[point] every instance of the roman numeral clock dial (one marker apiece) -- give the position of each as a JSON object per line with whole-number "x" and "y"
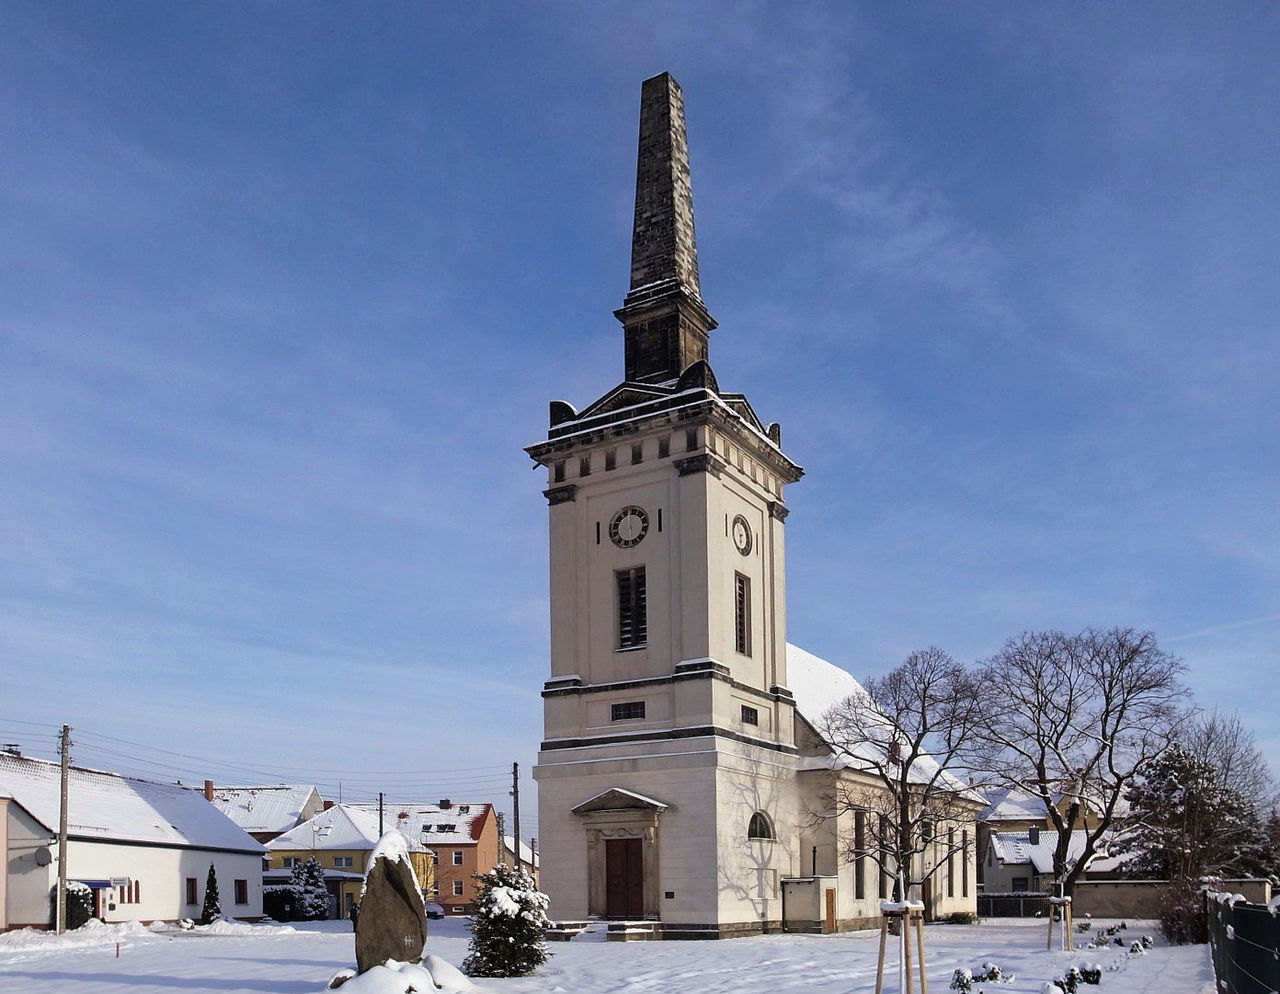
{"x": 628, "y": 527}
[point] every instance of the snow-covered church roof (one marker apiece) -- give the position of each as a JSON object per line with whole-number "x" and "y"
{"x": 112, "y": 808}
{"x": 818, "y": 686}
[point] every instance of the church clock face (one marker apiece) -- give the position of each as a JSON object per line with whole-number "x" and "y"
{"x": 628, "y": 527}
{"x": 741, "y": 534}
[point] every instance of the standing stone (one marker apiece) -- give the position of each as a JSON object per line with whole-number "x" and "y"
{"x": 392, "y": 923}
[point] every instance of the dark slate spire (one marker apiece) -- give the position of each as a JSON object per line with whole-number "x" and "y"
{"x": 665, "y": 324}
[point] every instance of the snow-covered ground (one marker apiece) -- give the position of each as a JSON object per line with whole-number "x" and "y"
{"x": 300, "y": 959}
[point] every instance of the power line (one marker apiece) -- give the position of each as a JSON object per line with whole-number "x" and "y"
{"x": 100, "y": 749}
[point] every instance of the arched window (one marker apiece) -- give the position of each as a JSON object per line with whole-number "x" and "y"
{"x": 759, "y": 827}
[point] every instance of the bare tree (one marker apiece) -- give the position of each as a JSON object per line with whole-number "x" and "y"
{"x": 1078, "y": 717}
{"x": 905, "y": 733}
{"x": 1226, "y": 745}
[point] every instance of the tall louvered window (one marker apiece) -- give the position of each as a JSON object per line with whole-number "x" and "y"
{"x": 860, "y": 854}
{"x": 742, "y": 614}
{"x": 633, "y": 621}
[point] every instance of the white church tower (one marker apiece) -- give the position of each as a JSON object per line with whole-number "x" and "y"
{"x": 667, "y": 780}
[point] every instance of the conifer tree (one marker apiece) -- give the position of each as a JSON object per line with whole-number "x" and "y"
{"x": 310, "y": 890}
{"x": 507, "y": 930}
{"x": 1186, "y": 823}
{"x": 212, "y": 909}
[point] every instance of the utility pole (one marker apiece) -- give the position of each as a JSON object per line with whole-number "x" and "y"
{"x": 515, "y": 806}
{"x": 62, "y": 832}
{"x": 381, "y": 831}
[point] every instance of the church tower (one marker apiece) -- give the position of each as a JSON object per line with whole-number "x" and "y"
{"x": 668, "y": 761}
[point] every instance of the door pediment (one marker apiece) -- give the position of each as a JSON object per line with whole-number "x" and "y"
{"x": 619, "y": 799}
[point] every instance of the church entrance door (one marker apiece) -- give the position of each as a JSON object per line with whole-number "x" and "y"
{"x": 624, "y": 878}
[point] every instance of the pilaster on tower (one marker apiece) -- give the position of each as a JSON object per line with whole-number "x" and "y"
{"x": 665, "y": 324}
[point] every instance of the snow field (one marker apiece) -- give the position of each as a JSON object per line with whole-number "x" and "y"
{"x": 300, "y": 959}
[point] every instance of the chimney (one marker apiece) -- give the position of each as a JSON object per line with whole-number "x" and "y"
{"x": 445, "y": 804}
{"x": 327, "y": 805}
{"x": 208, "y": 790}
{"x": 1033, "y": 835}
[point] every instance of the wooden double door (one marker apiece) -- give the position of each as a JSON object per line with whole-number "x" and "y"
{"x": 624, "y": 878}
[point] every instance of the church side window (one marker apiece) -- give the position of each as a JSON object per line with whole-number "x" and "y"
{"x": 951, "y": 862}
{"x": 633, "y": 621}
{"x": 742, "y": 614}
{"x": 759, "y": 827}
{"x": 860, "y": 854}
{"x": 883, "y": 889}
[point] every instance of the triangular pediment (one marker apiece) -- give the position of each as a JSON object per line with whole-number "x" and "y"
{"x": 626, "y": 395}
{"x": 739, "y": 405}
{"x": 618, "y": 799}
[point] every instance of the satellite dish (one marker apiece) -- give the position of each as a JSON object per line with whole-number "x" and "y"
{"x": 43, "y": 856}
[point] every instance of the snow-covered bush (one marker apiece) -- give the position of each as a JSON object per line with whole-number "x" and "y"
{"x": 1091, "y": 973}
{"x": 211, "y": 911}
{"x": 508, "y": 928}
{"x": 989, "y": 973}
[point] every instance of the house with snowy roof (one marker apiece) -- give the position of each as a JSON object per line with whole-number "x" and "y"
{"x": 341, "y": 838}
{"x": 268, "y": 811}
{"x": 1013, "y": 810}
{"x": 464, "y": 837}
{"x": 1017, "y": 861}
{"x": 683, "y": 780}
{"x": 144, "y": 849}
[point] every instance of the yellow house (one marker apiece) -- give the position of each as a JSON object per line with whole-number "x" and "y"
{"x": 341, "y": 837}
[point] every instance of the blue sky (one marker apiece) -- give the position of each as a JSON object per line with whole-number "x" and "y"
{"x": 285, "y": 288}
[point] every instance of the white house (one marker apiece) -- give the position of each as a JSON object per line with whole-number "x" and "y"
{"x": 143, "y": 848}
{"x": 1019, "y": 861}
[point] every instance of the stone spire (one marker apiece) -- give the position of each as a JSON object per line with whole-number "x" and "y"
{"x": 665, "y": 325}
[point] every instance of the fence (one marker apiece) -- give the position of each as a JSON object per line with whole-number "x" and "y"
{"x": 1020, "y": 905}
{"x": 1245, "y": 941}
